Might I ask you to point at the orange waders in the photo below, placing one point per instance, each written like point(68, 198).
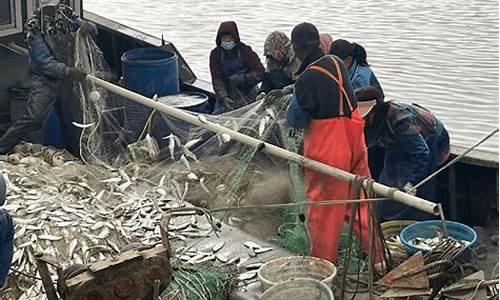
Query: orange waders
point(340, 143)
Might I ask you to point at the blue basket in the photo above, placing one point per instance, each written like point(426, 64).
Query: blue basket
point(430, 229)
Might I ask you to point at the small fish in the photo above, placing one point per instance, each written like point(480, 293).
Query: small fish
point(72, 247)
point(64, 223)
point(184, 160)
point(189, 154)
point(192, 176)
point(205, 259)
point(262, 125)
point(162, 180)
point(233, 260)
point(83, 126)
point(155, 97)
point(49, 237)
point(112, 180)
point(191, 143)
point(203, 186)
point(195, 258)
point(247, 275)
point(262, 250)
point(251, 245)
point(222, 258)
point(271, 112)
point(218, 246)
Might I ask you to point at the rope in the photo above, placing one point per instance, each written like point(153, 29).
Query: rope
point(22, 273)
point(284, 205)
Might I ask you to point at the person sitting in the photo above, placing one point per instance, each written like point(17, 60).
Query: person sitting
point(354, 57)
point(6, 236)
point(49, 34)
point(281, 62)
point(415, 144)
point(235, 69)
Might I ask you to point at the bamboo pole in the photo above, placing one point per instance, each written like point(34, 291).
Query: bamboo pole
point(201, 121)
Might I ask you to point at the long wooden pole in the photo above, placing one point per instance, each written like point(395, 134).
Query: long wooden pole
point(201, 121)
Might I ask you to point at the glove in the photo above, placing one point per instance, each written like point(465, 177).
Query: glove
point(228, 102)
point(408, 189)
point(77, 74)
point(237, 79)
point(87, 28)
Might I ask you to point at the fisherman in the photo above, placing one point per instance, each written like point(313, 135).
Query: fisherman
point(354, 58)
point(235, 68)
point(49, 34)
point(6, 236)
point(281, 62)
point(415, 143)
point(323, 103)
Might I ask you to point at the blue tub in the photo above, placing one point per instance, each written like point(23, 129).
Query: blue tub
point(147, 71)
point(427, 229)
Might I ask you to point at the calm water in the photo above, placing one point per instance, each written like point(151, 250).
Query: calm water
point(442, 54)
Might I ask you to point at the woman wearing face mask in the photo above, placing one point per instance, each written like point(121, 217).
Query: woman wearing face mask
point(282, 64)
point(354, 57)
point(235, 68)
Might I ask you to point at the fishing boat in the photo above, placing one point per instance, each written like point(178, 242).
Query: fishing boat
point(468, 190)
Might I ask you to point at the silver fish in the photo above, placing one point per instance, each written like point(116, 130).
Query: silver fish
point(83, 126)
point(49, 237)
point(247, 275)
point(184, 160)
point(191, 143)
point(252, 245)
point(222, 258)
point(203, 186)
point(254, 266)
point(218, 246)
point(72, 247)
point(262, 250)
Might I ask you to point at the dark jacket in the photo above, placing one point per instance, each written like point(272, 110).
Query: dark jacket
point(315, 93)
point(50, 43)
point(255, 69)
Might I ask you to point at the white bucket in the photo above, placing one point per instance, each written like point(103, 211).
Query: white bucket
point(299, 289)
point(294, 267)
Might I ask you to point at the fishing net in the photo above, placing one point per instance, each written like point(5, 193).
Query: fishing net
point(133, 169)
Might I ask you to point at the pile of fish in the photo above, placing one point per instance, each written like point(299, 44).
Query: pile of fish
point(431, 243)
point(81, 214)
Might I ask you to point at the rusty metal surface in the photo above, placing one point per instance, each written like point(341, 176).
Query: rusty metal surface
point(405, 277)
point(128, 276)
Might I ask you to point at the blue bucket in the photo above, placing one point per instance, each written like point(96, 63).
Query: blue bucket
point(430, 229)
point(150, 71)
point(147, 71)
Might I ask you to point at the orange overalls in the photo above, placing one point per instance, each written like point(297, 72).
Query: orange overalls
point(340, 143)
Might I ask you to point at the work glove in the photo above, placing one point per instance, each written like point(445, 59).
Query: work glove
point(77, 74)
point(88, 28)
point(237, 79)
point(228, 103)
point(407, 188)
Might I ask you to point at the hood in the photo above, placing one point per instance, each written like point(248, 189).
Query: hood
point(229, 26)
point(278, 41)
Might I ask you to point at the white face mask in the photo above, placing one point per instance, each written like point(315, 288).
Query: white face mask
point(228, 45)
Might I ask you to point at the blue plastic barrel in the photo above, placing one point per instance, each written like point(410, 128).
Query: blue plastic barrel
point(150, 71)
point(147, 71)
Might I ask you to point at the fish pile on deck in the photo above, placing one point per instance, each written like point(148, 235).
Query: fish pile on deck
point(80, 214)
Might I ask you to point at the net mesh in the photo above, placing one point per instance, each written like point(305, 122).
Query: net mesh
point(135, 164)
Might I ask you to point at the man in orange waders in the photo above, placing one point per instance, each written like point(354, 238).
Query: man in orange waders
point(323, 103)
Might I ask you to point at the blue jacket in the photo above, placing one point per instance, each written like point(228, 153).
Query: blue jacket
point(42, 60)
point(362, 76)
